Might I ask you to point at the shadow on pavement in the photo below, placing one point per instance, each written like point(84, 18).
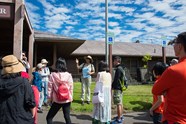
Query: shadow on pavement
point(145, 117)
point(144, 105)
point(82, 116)
point(56, 122)
point(140, 123)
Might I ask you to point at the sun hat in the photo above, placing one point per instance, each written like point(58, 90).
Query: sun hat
point(44, 61)
point(174, 61)
point(39, 66)
point(89, 57)
point(11, 64)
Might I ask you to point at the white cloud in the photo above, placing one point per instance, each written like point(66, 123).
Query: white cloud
point(113, 24)
point(130, 20)
point(96, 22)
point(33, 16)
point(53, 31)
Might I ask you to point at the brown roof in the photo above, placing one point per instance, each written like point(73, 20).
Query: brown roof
point(64, 45)
point(123, 49)
point(45, 36)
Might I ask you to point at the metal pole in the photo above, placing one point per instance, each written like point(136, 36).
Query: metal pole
point(106, 31)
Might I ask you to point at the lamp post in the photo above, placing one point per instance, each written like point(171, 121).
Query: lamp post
point(106, 31)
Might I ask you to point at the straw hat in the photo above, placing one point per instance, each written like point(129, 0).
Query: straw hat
point(11, 64)
point(44, 61)
point(89, 57)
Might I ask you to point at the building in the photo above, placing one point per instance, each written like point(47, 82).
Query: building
point(17, 35)
point(70, 49)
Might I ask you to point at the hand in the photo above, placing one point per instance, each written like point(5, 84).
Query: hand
point(151, 112)
point(49, 101)
point(25, 58)
point(33, 111)
point(77, 61)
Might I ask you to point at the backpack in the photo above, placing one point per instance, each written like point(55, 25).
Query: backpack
point(123, 81)
point(63, 92)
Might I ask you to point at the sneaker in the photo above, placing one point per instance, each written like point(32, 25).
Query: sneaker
point(39, 110)
point(122, 118)
point(119, 121)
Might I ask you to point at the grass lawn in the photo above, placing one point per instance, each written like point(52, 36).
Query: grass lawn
point(135, 98)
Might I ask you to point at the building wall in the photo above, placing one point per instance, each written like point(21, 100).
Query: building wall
point(131, 63)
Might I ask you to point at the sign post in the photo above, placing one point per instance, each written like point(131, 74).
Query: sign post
point(110, 37)
point(164, 43)
point(110, 41)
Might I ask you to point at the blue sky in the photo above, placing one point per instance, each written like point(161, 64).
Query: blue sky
point(148, 21)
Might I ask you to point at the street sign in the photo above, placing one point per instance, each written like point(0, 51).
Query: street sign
point(164, 43)
point(110, 38)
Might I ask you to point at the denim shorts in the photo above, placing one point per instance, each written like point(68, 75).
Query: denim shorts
point(117, 97)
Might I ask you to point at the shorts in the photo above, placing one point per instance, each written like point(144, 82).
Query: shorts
point(157, 118)
point(117, 97)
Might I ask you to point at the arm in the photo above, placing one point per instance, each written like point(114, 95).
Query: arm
point(116, 77)
point(157, 104)
point(77, 64)
point(26, 63)
point(98, 76)
point(33, 111)
point(50, 87)
point(92, 70)
point(29, 97)
point(71, 85)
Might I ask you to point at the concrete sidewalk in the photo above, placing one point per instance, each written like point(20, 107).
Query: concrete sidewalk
point(83, 118)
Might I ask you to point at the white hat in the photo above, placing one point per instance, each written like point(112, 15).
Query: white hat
point(44, 61)
point(39, 66)
point(174, 61)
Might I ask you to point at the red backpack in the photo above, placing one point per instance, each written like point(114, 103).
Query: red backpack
point(63, 92)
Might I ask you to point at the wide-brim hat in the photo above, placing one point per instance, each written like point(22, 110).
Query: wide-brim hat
point(11, 64)
point(44, 61)
point(89, 57)
point(174, 61)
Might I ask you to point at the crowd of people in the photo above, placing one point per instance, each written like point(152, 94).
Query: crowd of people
point(21, 99)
